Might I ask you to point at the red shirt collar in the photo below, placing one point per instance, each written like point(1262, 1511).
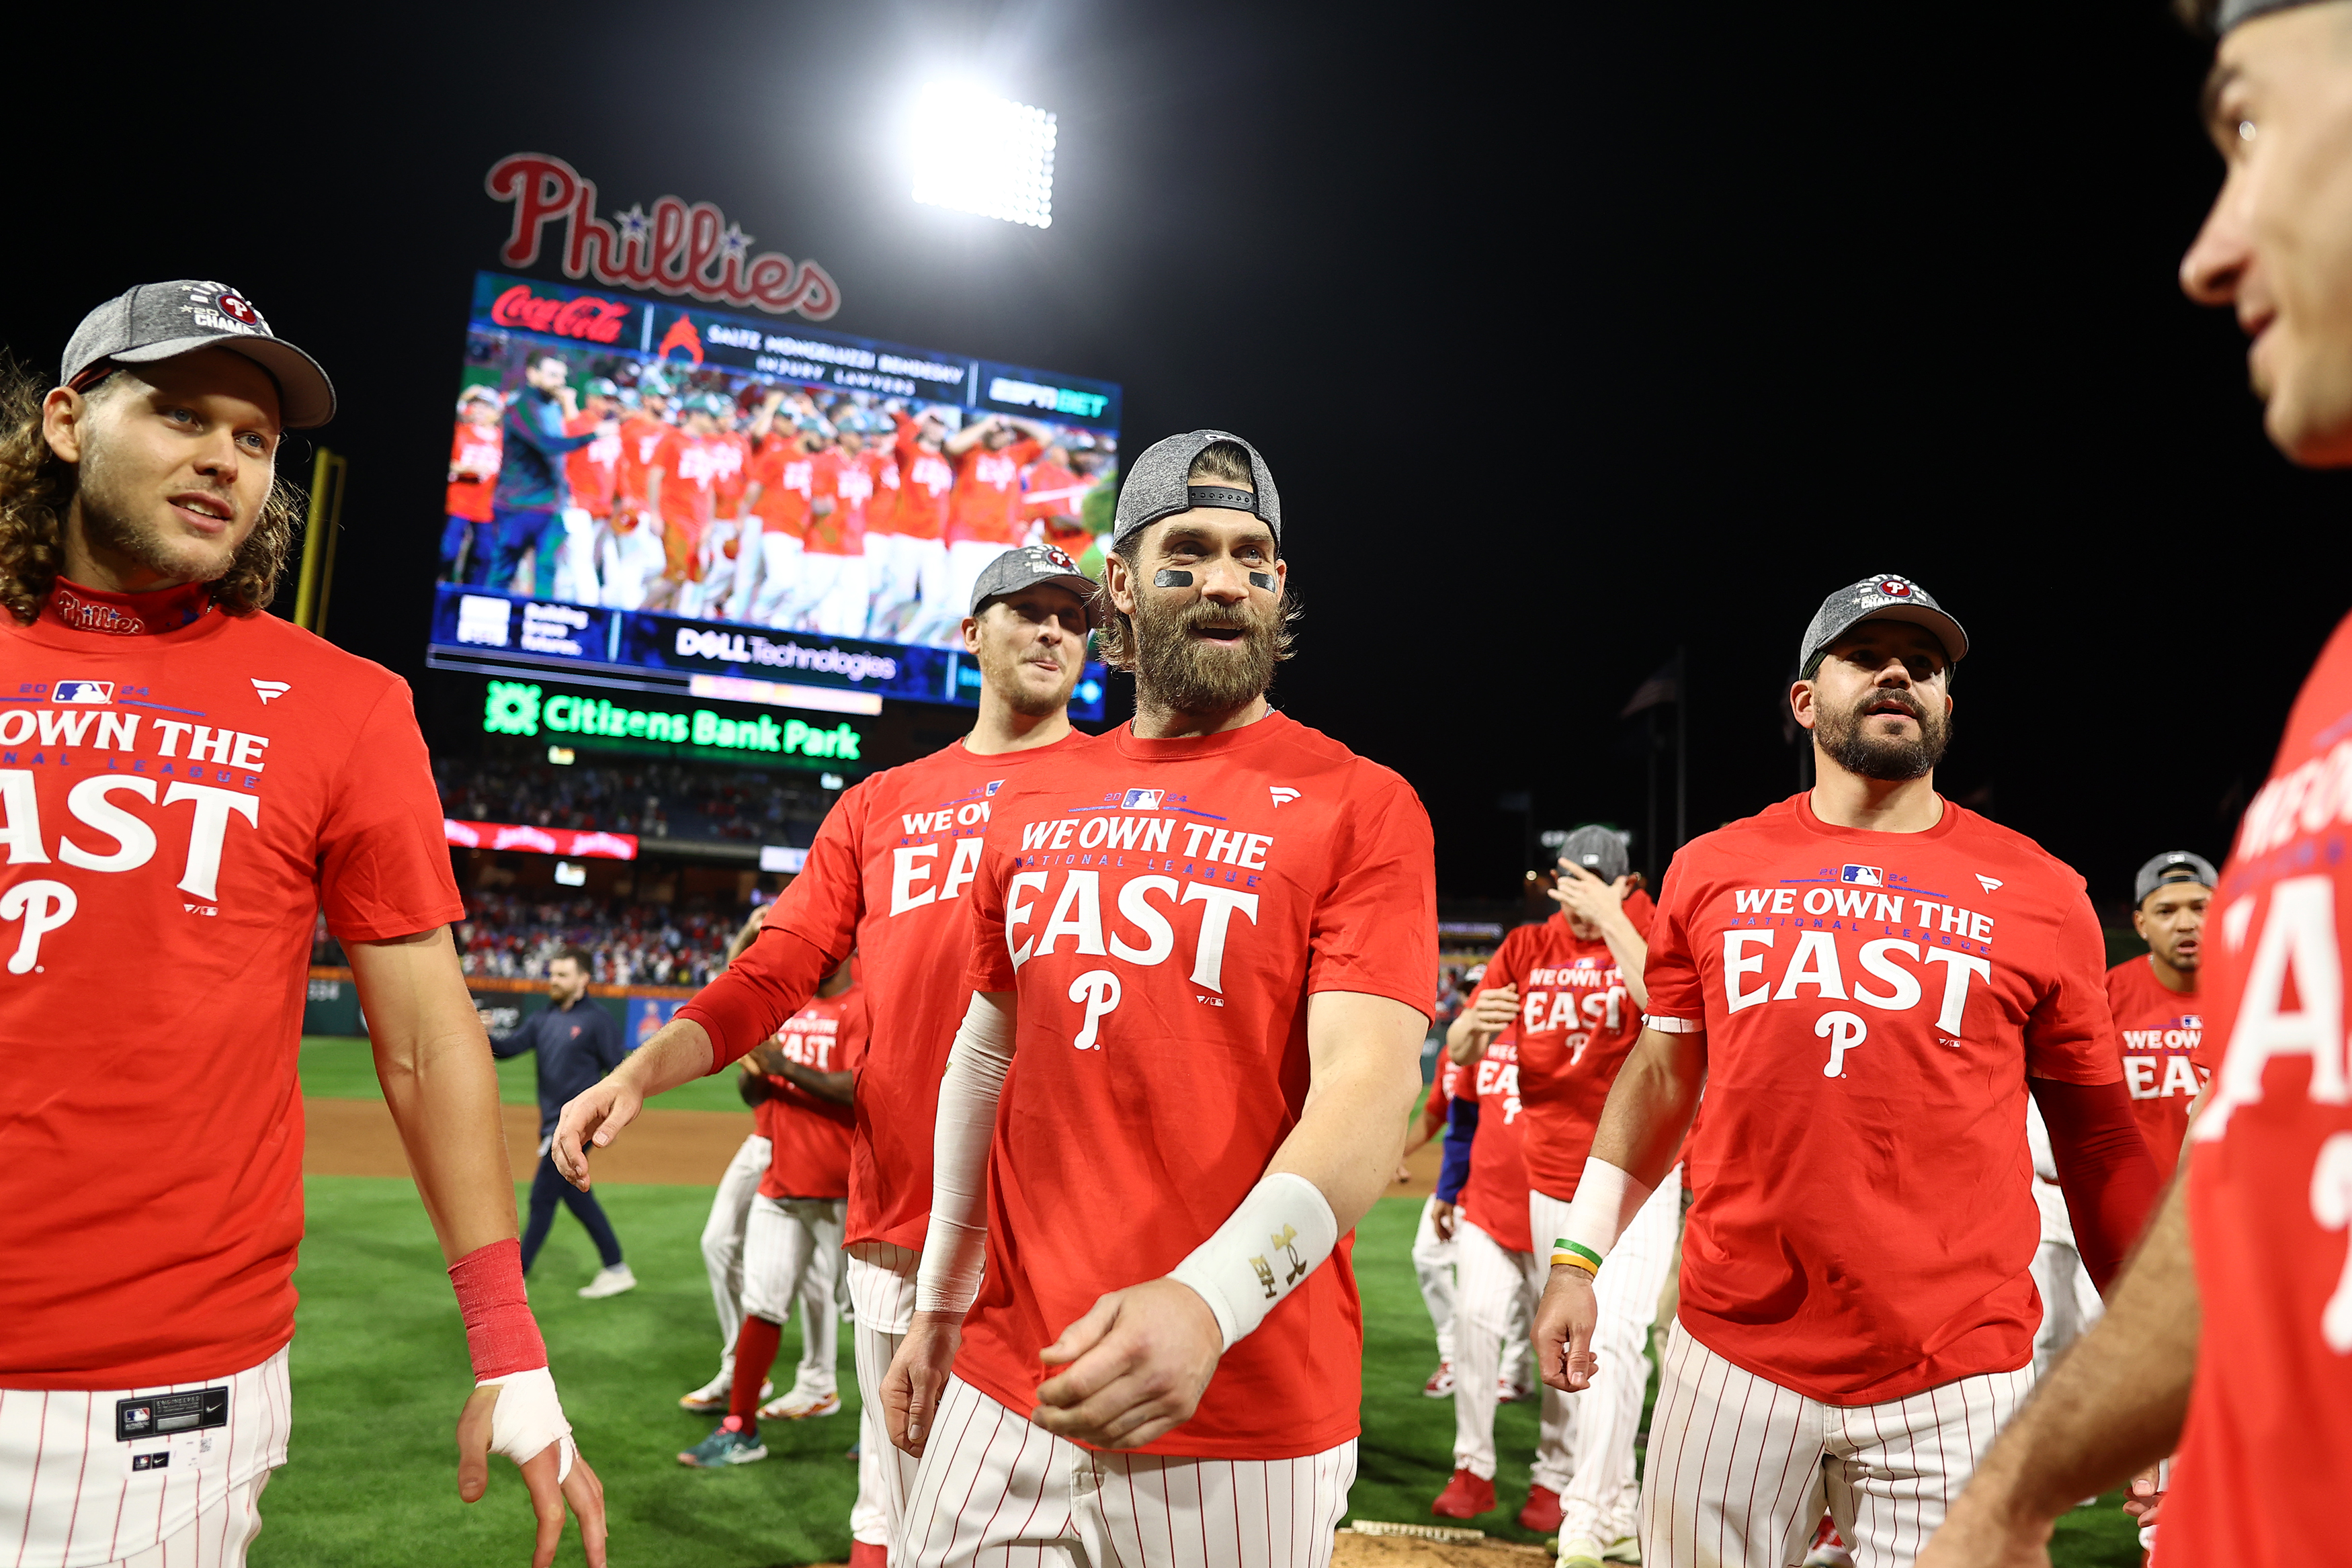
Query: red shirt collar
point(80, 608)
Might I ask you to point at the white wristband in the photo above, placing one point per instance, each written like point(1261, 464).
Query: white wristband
point(1280, 1234)
point(956, 1244)
point(527, 1416)
point(1607, 1199)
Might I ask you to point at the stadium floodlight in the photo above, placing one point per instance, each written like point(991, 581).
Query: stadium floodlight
point(982, 154)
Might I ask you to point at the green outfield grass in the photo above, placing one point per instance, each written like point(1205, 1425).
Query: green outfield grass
point(339, 1067)
point(379, 1369)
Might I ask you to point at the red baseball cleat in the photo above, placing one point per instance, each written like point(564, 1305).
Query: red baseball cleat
point(1542, 1513)
point(1510, 1393)
point(1466, 1496)
point(867, 1554)
point(1829, 1548)
point(1441, 1382)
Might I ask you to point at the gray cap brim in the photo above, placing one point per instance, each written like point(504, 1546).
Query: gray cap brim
point(1083, 586)
point(1946, 630)
point(306, 398)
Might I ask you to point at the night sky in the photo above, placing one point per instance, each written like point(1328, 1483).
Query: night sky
point(1568, 349)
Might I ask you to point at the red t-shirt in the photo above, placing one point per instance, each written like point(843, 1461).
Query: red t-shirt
point(641, 442)
point(1873, 1004)
point(887, 875)
point(690, 465)
point(1050, 490)
point(179, 807)
point(786, 477)
point(1577, 1026)
point(1440, 1092)
point(810, 1156)
point(1164, 909)
point(1494, 1199)
point(927, 483)
point(2270, 1177)
point(730, 456)
point(881, 506)
point(475, 450)
point(2158, 1030)
point(841, 531)
point(988, 495)
point(589, 471)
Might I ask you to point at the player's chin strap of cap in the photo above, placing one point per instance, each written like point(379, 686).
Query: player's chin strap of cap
point(503, 1339)
point(956, 1244)
point(1223, 496)
point(1607, 1199)
point(1265, 1250)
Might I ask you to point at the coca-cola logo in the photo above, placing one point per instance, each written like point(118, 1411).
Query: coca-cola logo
point(597, 320)
point(680, 248)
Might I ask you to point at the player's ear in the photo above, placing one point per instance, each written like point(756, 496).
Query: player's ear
point(1119, 583)
point(972, 634)
point(1800, 704)
point(2139, 923)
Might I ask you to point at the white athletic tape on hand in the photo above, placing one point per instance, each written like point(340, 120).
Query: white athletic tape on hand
point(527, 1416)
point(1281, 1233)
point(1607, 1199)
point(956, 1244)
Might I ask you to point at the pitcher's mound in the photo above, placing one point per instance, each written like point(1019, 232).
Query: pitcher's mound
point(1374, 1545)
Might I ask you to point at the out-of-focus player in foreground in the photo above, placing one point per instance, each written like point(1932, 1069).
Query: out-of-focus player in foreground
point(206, 778)
point(1210, 938)
point(889, 874)
point(2260, 1320)
point(1866, 979)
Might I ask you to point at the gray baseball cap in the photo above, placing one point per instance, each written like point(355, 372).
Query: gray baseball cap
point(1884, 597)
point(1018, 568)
point(1155, 486)
point(2231, 13)
point(2173, 865)
point(164, 320)
point(1601, 851)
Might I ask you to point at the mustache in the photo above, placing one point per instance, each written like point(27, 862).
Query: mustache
point(1904, 700)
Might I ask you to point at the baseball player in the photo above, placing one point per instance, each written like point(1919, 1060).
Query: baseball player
point(793, 1246)
point(984, 511)
point(927, 478)
point(890, 565)
point(1210, 939)
point(531, 485)
point(731, 1216)
point(2154, 999)
point(589, 476)
point(209, 779)
point(890, 873)
point(2247, 1304)
point(1867, 979)
point(1432, 1240)
point(778, 504)
point(1485, 1181)
point(681, 489)
point(1571, 991)
point(629, 554)
point(469, 541)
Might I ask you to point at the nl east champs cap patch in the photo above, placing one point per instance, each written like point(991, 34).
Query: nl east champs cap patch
point(164, 320)
point(1018, 568)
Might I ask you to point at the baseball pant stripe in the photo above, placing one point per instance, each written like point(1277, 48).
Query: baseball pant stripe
point(1494, 1307)
point(1028, 1497)
point(1432, 1264)
point(880, 1279)
point(722, 1241)
point(1744, 1468)
point(792, 1249)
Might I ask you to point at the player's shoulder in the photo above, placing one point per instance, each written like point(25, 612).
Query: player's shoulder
point(1306, 751)
point(299, 658)
point(2127, 975)
point(1983, 841)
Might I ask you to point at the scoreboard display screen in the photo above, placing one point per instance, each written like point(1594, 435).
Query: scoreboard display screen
point(655, 496)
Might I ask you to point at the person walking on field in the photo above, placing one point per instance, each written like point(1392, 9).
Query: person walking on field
point(577, 1042)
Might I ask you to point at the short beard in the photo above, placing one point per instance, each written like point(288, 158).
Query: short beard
point(1890, 760)
point(107, 529)
point(1174, 671)
point(1000, 673)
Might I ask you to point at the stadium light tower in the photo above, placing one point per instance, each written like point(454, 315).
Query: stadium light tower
point(978, 154)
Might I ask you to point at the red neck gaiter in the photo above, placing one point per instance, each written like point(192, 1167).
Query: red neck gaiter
point(83, 609)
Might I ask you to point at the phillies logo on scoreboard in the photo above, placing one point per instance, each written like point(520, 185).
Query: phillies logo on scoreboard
point(678, 248)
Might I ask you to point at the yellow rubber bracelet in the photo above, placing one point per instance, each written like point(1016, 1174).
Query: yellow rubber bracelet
point(1574, 1261)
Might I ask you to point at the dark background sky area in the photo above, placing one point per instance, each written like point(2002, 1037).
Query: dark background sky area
point(1569, 347)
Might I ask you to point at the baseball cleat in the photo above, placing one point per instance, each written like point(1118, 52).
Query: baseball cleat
point(1441, 1382)
point(1510, 1393)
point(1542, 1513)
point(730, 1444)
point(1624, 1549)
point(798, 1407)
point(1580, 1552)
point(1829, 1548)
point(710, 1399)
point(1466, 1496)
point(609, 1281)
point(868, 1554)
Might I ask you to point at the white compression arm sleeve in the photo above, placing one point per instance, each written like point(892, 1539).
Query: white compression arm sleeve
point(1281, 1233)
point(957, 1242)
point(1607, 1199)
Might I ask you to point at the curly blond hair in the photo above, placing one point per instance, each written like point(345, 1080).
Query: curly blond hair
point(36, 487)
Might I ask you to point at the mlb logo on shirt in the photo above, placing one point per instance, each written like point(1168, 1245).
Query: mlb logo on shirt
point(1863, 875)
point(1142, 800)
point(82, 692)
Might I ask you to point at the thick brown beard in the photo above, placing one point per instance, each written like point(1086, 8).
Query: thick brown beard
point(1176, 671)
point(1841, 734)
point(999, 670)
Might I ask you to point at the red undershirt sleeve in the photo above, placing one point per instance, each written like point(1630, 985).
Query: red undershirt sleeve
point(768, 983)
point(2111, 1184)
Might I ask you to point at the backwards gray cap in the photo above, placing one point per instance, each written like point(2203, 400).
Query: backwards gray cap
point(2230, 13)
point(1601, 851)
point(1155, 486)
point(2173, 865)
point(1018, 568)
point(1884, 597)
point(164, 320)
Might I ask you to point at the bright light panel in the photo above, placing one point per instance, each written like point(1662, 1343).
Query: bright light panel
point(981, 154)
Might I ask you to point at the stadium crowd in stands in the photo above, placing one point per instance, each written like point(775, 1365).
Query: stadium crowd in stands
point(652, 799)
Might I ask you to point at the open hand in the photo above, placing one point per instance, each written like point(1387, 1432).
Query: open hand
point(917, 1379)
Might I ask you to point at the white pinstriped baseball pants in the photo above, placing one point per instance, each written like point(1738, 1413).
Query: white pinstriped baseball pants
point(1741, 1468)
point(881, 1279)
point(992, 1489)
point(1494, 1307)
point(1433, 1265)
point(1601, 1499)
point(68, 1498)
point(722, 1242)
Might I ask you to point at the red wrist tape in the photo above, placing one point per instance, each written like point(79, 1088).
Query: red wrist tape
point(500, 1333)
